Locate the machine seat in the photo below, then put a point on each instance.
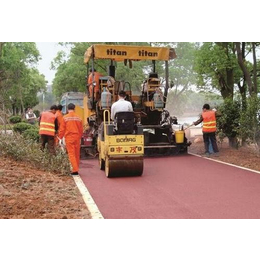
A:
(124, 122)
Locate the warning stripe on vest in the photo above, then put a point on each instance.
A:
(46, 129)
(50, 124)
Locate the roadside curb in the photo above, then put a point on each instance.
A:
(240, 167)
(91, 205)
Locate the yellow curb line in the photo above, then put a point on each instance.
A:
(240, 167)
(91, 205)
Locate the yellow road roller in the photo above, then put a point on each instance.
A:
(120, 145)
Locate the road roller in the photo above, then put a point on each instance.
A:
(120, 146)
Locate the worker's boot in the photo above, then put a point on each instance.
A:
(206, 154)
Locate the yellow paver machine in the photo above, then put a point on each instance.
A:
(151, 132)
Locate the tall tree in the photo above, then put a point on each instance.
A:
(181, 74)
(254, 67)
(17, 64)
(242, 64)
(216, 66)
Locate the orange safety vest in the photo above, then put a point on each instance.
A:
(47, 124)
(209, 121)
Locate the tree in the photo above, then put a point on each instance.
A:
(228, 122)
(217, 67)
(249, 70)
(19, 80)
(241, 62)
(181, 74)
(71, 71)
(249, 129)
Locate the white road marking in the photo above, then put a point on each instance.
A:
(91, 205)
(240, 167)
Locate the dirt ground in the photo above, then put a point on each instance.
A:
(27, 193)
(244, 156)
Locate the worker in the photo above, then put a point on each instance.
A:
(208, 117)
(30, 116)
(93, 79)
(59, 117)
(72, 129)
(121, 105)
(48, 127)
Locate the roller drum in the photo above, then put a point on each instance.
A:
(122, 167)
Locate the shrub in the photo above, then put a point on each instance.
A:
(32, 134)
(21, 127)
(228, 122)
(22, 149)
(15, 119)
(250, 121)
(36, 112)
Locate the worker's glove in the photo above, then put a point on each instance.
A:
(62, 144)
(60, 141)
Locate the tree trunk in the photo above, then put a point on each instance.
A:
(243, 68)
(254, 68)
(226, 81)
(224, 89)
(230, 82)
(1, 47)
(242, 90)
(233, 142)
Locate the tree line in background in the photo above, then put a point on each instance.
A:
(20, 80)
(223, 74)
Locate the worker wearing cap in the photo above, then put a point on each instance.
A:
(59, 117)
(48, 127)
(121, 105)
(208, 117)
(72, 129)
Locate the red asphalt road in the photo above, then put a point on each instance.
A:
(181, 187)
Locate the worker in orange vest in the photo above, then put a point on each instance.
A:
(59, 117)
(93, 79)
(48, 127)
(208, 117)
(72, 129)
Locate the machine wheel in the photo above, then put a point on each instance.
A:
(101, 162)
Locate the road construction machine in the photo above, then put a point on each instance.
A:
(159, 136)
(120, 145)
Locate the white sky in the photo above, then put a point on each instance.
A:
(48, 51)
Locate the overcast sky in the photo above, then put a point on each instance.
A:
(48, 51)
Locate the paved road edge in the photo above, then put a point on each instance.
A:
(91, 205)
(230, 164)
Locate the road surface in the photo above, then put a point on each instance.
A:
(180, 187)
